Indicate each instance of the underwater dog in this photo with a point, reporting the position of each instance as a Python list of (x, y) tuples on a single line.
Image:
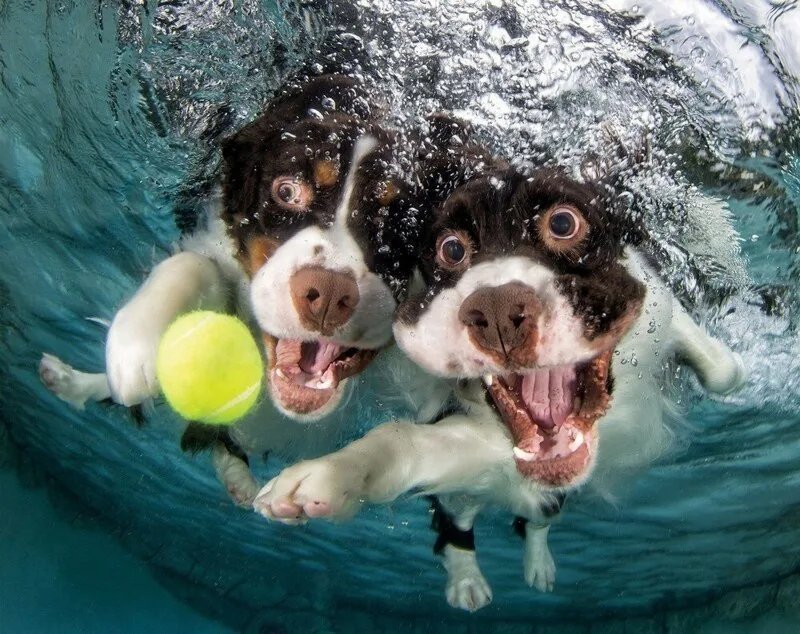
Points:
[(557, 331), (312, 241)]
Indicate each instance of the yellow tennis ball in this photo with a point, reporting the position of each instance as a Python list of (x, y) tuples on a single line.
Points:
[(209, 367)]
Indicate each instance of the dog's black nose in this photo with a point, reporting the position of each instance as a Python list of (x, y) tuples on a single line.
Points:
[(501, 320), (324, 299)]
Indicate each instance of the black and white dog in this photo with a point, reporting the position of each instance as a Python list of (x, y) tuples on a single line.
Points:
[(558, 333), (313, 242)]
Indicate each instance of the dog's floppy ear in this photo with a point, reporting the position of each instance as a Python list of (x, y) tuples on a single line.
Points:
[(241, 154)]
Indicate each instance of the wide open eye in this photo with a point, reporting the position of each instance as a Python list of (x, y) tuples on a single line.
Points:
[(292, 193), (563, 223), (453, 250), (563, 227)]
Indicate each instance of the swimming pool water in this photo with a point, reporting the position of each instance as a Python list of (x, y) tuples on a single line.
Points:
[(108, 109)]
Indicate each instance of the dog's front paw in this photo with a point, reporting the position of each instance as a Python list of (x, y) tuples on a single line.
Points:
[(726, 374), (131, 351), (466, 589), (540, 569), (325, 487), (63, 381), (235, 475)]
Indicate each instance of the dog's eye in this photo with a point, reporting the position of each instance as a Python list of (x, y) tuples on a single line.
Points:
[(291, 193), (452, 250), (563, 224), (563, 228)]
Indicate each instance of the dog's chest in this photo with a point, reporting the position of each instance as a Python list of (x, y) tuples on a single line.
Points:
[(495, 479), (504, 486)]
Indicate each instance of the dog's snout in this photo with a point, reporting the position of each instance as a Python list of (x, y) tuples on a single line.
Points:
[(501, 319), (324, 299)]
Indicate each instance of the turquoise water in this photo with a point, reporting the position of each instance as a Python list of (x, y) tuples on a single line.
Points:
[(107, 110)]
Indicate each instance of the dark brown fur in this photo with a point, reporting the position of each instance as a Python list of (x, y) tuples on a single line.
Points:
[(310, 131), (499, 212)]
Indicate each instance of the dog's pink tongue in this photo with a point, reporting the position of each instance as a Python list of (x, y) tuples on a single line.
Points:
[(317, 356), (549, 394)]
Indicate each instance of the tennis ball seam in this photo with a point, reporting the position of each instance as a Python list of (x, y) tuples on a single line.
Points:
[(236, 400), (205, 321)]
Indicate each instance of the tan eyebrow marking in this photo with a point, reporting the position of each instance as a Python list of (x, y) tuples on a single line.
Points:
[(259, 249), (326, 173), (387, 192)]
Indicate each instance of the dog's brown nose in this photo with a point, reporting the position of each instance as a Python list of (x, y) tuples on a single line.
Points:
[(502, 319), (324, 299)]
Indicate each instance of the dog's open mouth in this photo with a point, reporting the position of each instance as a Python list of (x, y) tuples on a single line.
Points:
[(304, 376), (551, 414)]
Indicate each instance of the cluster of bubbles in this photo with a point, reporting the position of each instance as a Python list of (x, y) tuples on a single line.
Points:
[(595, 88)]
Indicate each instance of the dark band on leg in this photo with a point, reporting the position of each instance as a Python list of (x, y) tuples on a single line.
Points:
[(448, 532), (137, 415), (200, 437), (550, 508), (519, 526)]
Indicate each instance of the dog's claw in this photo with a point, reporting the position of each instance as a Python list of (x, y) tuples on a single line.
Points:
[(466, 589)]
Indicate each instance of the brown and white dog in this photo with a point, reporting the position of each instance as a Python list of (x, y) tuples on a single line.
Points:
[(558, 333), (313, 242)]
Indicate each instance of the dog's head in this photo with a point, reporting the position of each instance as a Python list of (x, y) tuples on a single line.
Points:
[(526, 291), (326, 217)]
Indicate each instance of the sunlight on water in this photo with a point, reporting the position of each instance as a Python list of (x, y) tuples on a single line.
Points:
[(109, 122)]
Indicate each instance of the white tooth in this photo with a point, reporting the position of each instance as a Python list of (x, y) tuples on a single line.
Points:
[(524, 455), (577, 442), (488, 379), (281, 374), (324, 384)]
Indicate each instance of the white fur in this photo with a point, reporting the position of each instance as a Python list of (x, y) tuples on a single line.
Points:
[(466, 586), (212, 241), (370, 324), (439, 328), (70, 385), (471, 455), (333, 248), (204, 273), (234, 473), (539, 567), (182, 283)]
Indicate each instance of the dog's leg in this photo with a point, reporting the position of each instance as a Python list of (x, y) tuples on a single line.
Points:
[(229, 460), (70, 385), (234, 473), (718, 368), (390, 460), (538, 564), (184, 282), (539, 567), (466, 587)]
